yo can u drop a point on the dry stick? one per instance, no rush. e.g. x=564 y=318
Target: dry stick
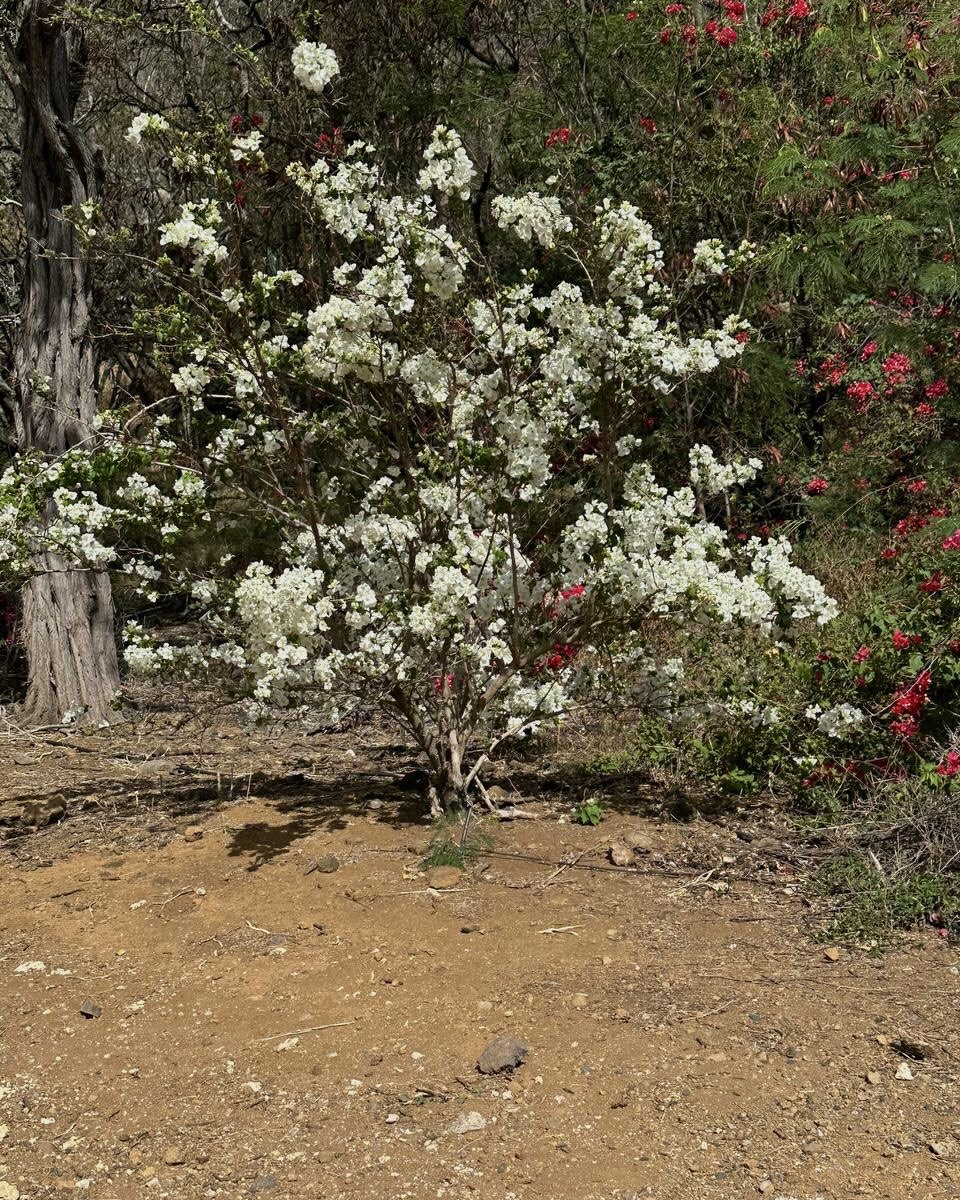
x=296 y=1032
x=563 y=866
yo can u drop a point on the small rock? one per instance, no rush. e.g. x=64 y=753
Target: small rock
x=326 y=866
x=606 y=961
x=90 y=1009
x=374 y=805
x=4 y=1130
x=173 y=1156
x=470 y=929
x=263 y=1183
x=765 y=1187
x=468 y=1122
x=638 y=840
x=193 y=833
x=873 y=1078
x=9 y=1192
x=25 y=760
x=938 y=1148
x=326 y=1156
x=903 y=1072
x=621 y=855
x=392 y=1118
x=579 y=1000
x=288 y=1044
x=135 y=1158
x=832 y=953
x=621 y=1014
x=443 y=877
x=504 y=1053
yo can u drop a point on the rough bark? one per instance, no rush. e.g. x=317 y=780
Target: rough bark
x=67 y=612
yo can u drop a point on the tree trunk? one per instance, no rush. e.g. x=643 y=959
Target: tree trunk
x=68 y=625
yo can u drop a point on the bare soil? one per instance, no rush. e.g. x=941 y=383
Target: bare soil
x=268 y=1029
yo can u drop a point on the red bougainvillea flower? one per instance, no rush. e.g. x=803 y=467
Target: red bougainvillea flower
x=897 y=368
x=901 y=640
x=909 y=700
x=735 y=10
x=817 y=486
x=672 y=9
x=632 y=16
x=950 y=765
x=648 y=124
x=939 y=512
x=868 y=351
x=743 y=338
x=861 y=391
x=770 y=14
x=889 y=553
x=933 y=584
x=936 y=390
x=558 y=137
x=910 y=525
x=689 y=34
x=666 y=33
x=905 y=727
x=725 y=36
x=952 y=542
x=862 y=654
x=924 y=410
x=917 y=485
x=798 y=10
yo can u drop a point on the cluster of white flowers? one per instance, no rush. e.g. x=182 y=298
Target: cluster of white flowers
x=145 y=123
x=760 y=716
x=837 y=722
x=314 y=65
x=193 y=231
x=711 y=476
x=712 y=257
x=532 y=216
x=448 y=169
x=247 y=147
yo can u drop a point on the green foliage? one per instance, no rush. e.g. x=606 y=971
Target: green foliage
x=590 y=812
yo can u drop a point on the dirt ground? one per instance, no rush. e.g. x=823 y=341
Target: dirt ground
x=270 y=1029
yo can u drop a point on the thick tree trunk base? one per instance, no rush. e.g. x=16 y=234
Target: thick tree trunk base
x=71 y=646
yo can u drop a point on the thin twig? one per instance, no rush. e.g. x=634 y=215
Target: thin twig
x=296 y=1032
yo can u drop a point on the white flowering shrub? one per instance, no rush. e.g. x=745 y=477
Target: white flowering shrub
x=447 y=451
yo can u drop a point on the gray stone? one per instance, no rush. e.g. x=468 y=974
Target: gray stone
x=503 y=1054
x=90 y=1009
x=263 y=1183
x=468 y=1122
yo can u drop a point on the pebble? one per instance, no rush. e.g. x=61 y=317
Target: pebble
x=263 y=1183
x=193 y=833
x=579 y=1000
x=9 y=1192
x=443 y=877
x=620 y=855
x=502 y=1054
x=468 y=1122
x=4 y=1130
x=326 y=865
x=873 y=1077
x=903 y=1072
x=392 y=1118
x=90 y=1009
x=288 y=1044
x=173 y=1156
x=832 y=953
